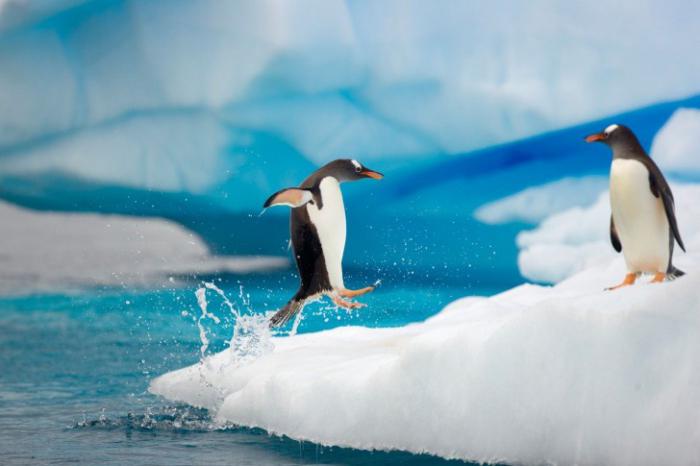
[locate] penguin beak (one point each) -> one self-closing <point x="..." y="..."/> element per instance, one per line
<point x="596" y="137"/>
<point x="371" y="174"/>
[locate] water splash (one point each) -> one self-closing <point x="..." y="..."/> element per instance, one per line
<point x="251" y="337"/>
<point x="180" y="418"/>
<point x="297" y="320"/>
<point x="201" y="294"/>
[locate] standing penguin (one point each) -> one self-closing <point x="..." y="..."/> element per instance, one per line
<point x="643" y="223"/>
<point x="317" y="229"/>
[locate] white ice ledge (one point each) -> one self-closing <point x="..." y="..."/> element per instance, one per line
<point x="568" y="374"/>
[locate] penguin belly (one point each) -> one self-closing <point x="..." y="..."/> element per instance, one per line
<point x="640" y="218"/>
<point x="330" y="225"/>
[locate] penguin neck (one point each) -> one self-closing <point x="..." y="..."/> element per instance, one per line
<point x="314" y="180"/>
<point x="628" y="149"/>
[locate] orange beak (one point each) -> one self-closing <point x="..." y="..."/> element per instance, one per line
<point x="372" y="174"/>
<point x="596" y="137"/>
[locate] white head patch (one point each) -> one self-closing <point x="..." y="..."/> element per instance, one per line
<point x="610" y="129"/>
<point x="356" y="163"/>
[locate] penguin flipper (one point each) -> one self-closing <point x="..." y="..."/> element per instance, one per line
<point x="614" y="239"/>
<point x="292" y="197"/>
<point x="669" y="207"/>
<point x="659" y="188"/>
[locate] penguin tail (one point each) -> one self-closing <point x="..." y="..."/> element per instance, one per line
<point x="674" y="273"/>
<point x="289" y="310"/>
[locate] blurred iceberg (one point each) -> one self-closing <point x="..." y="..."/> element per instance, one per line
<point x="182" y="97"/>
<point x="532" y="205"/>
<point x="48" y="252"/>
<point x="676" y="147"/>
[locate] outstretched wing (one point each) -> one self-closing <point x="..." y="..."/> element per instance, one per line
<point x="660" y="188"/>
<point x="613" y="236"/>
<point x="292" y="197"/>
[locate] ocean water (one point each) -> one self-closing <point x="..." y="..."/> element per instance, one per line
<point x="75" y="370"/>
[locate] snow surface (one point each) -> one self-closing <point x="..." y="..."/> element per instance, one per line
<point x="578" y="238"/>
<point x="569" y="374"/>
<point x="532" y="205"/>
<point x="676" y="146"/>
<point x="47" y="251"/>
<point x="319" y="79"/>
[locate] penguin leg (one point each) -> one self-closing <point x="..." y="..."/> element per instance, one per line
<point x="283" y="315"/>
<point x="340" y="302"/>
<point x="630" y="278"/>
<point x="345" y="293"/>
<point x="659" y="277"/>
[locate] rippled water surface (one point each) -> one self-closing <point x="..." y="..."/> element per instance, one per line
<point x="75" y="370"/>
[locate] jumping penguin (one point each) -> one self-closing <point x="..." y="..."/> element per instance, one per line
<point x="317" y="230"/>
<point x="643" y="222"/>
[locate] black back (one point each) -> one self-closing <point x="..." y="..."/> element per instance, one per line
<point x="308" y="255"/>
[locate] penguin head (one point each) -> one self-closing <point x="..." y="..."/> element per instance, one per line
<point x="350" y="170"/>
<point x="613" y="135"/>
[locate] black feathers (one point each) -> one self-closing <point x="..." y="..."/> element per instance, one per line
<point x="659" y="188"/>
<point x="613" y="236"/>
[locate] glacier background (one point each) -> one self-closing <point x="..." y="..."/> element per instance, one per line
<point x="196" y="112"/>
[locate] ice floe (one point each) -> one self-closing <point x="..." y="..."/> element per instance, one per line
<point x="569" y="374"/>
<point x="48" y="251"/>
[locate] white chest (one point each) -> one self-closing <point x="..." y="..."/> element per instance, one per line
<point x="330" y="225"/>
<point x="639" y="216"/>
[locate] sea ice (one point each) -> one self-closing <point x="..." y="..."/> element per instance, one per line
<point x="569" y="374"/>
<point x="48" y="251"/>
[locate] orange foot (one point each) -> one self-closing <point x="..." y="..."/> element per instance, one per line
<point x="340" y="302"/>
<point x="345" y="293"/>
<point x="630" y="278"/>
<point x="659" y="277"/>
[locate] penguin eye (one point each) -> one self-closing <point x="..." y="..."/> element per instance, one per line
<point x="358" y="169"/>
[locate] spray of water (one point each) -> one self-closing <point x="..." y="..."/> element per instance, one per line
<point x="251" y="337"/>
<point x="201" y="295"/>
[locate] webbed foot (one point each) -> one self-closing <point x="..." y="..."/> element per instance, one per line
<point x="630" y="278"/>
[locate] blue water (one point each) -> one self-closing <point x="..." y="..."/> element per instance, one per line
<point x="75" y="371"/>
